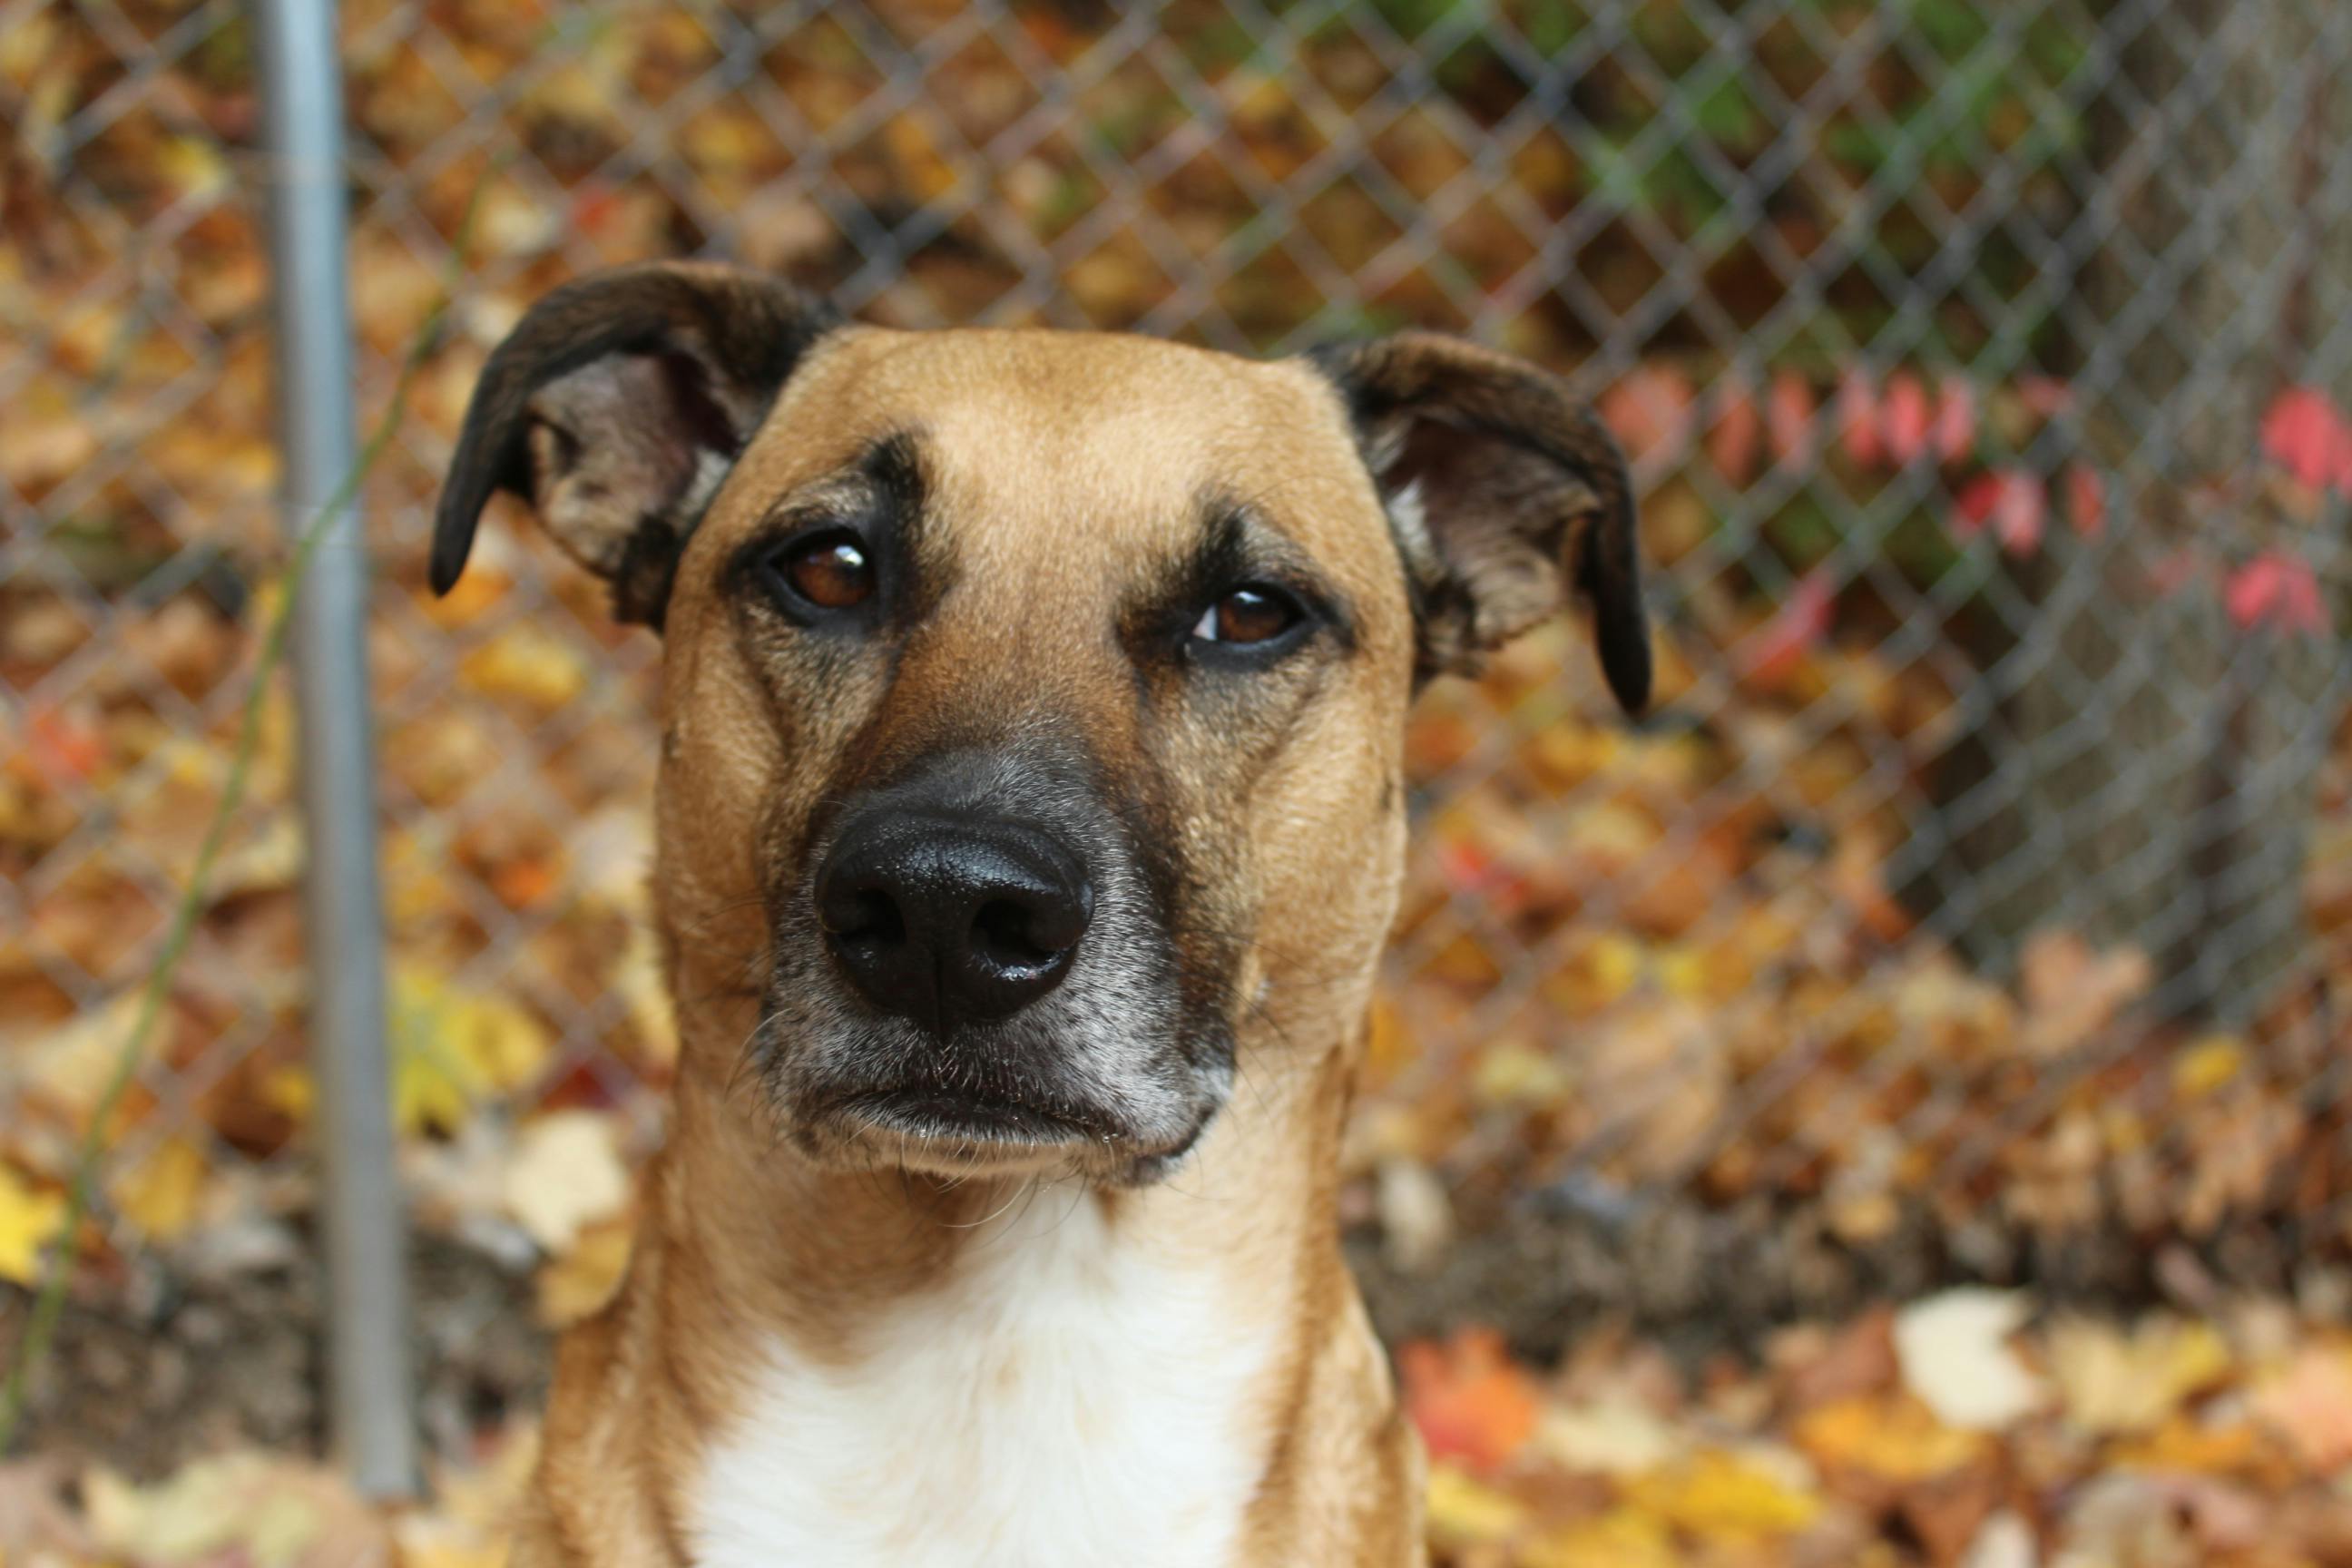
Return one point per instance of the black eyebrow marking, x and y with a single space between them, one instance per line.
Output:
1237 543
881 493
1242 542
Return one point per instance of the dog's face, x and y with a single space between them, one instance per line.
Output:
1038 694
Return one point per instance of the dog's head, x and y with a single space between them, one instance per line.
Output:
1036 696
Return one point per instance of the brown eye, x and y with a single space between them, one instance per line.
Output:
1247 615
830 571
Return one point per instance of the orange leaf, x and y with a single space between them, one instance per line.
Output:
1737 438
1906 418
65 744
1468 1399
1858 419
2086 500
1789 414
1956 419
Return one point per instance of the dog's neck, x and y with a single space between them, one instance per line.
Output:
892 1337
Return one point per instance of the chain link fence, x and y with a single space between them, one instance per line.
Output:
1978 901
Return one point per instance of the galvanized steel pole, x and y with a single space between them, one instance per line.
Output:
362 1216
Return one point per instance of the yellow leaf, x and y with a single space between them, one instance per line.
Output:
1719 1494
1682 971
193 167
289 1091
425 1548
578 1284
29 1220
2207 1065
1464 1511
452 1050
163 1193
527 663
1513 1072
1616 965
2181 1444
2111 1383
1895 1438
1623 1538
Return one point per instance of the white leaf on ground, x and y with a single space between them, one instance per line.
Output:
1954 1352
2003 1541
566 1172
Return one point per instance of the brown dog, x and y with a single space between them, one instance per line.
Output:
1030 822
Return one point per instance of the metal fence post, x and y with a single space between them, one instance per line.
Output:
362 1217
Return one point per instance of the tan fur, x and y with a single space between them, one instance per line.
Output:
1056 460
1059 474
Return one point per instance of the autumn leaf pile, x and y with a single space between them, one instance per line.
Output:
1969 1427
1683 966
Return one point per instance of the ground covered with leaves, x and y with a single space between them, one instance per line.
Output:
1687 1068
1972 1428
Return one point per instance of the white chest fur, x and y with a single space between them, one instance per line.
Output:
1064 1398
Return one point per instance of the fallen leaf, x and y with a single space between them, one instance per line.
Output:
2309 1403
1611 1437
1470 1403
2003 1541
30 1219
1955 1356
245 1508
1463 1510
2110 1382
528 664
577 1283
452 1050
1721 1495
564 1174
1891 1438
163 1192
1623 1538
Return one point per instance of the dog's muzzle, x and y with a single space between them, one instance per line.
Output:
977 968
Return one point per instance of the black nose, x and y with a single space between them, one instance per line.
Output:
944 920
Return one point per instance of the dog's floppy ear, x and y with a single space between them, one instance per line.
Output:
1505 493
616 407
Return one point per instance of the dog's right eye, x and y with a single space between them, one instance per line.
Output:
828 571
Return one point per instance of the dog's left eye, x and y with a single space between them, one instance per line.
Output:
829 571
1249 615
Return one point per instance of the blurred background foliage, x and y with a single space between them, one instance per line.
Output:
1976 909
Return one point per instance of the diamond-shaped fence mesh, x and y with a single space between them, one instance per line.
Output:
1978 900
